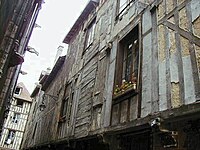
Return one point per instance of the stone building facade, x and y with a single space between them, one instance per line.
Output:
17 20
130 80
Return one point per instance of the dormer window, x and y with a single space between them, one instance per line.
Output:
18 90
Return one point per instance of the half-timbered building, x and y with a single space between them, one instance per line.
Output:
16 119
129 81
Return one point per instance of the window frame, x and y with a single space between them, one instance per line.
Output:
11 136
16 118
19 103
90 33
18 92
122 8
64 107
133 84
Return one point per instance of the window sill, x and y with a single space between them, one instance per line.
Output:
125 95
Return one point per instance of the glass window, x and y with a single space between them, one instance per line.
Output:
64 107
90 34
19 103
15 118
123 5
17 90
10 137
127 63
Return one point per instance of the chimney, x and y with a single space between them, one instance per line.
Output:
59 53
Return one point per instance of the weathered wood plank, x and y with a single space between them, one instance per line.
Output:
154 63
168 78
195 72
179 58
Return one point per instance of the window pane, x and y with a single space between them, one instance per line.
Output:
90 34
127 61
15 118
64 107
122 4
20 103
17 90
10 137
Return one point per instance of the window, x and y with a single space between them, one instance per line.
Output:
64 108
70 108
15 118
127 63
18 90
10 138
19 103
90 34
123 5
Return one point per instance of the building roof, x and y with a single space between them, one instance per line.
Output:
24 94
87 10
42 79
54 72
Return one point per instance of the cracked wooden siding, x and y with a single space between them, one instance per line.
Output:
84 111
171 82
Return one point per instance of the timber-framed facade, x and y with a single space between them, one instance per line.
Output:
130 80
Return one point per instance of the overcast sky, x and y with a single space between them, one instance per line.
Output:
55 18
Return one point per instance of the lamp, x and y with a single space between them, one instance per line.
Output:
42 106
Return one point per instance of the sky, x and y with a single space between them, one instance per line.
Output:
56 19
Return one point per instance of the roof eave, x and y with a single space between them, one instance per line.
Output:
87 10
53 73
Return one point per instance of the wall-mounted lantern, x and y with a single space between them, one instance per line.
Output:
42 106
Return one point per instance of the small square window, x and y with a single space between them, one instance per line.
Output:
17 90
19 103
